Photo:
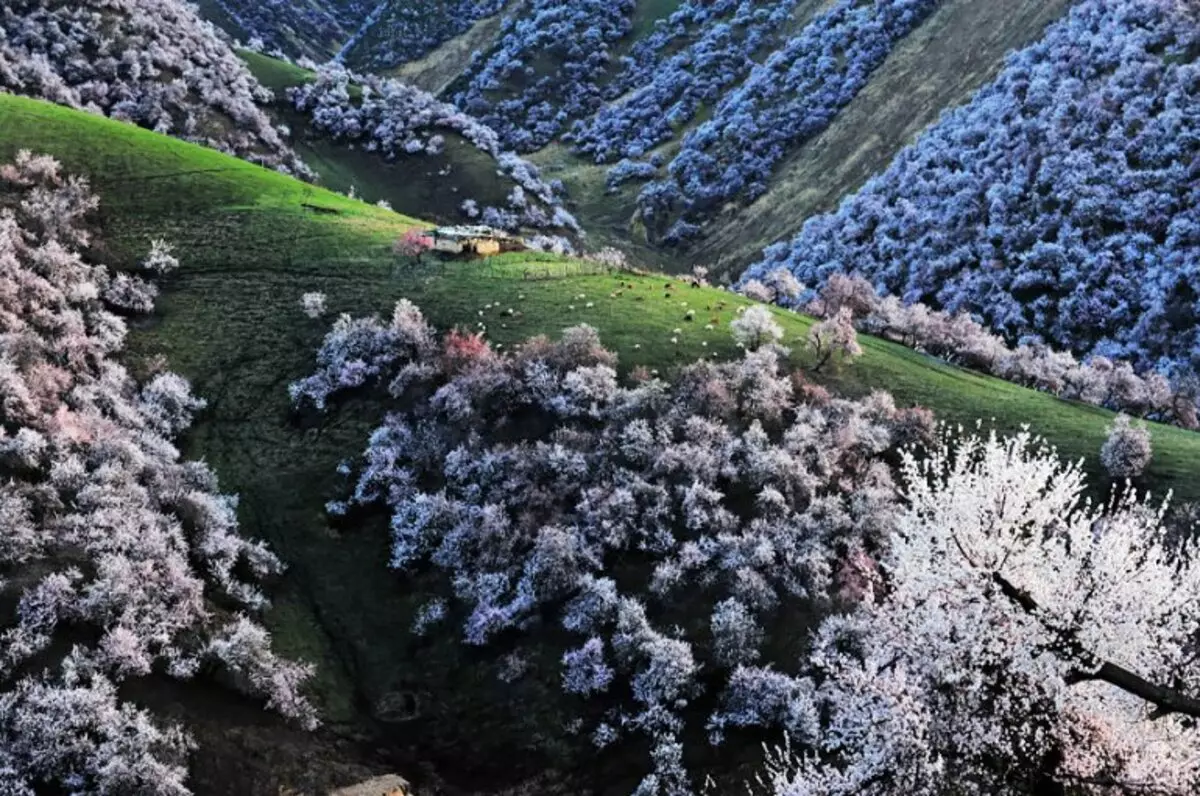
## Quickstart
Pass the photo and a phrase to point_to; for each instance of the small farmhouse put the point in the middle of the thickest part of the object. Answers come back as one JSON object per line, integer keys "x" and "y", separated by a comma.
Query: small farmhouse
{"x": 479, "y": 240}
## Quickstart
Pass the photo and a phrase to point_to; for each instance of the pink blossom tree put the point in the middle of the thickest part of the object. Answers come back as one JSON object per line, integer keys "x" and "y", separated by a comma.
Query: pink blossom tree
{"x": 834, "y": 340}
{"x": 413, "y": 243}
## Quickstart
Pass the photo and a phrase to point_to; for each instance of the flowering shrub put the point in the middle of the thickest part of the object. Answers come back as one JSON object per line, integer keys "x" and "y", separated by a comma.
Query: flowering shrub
{"x": 151, "y": 62}
{"x": 112, "y": 546}
{"x": 313, "y": 304}
{"x": 412, "y": 243}
{"x": 784, "y": 101}
{"x": 1057, "y": 205}
{"x": 536, "y": 482}
{"x": 1126, "y": 453}
{"x": 755, "y": 328}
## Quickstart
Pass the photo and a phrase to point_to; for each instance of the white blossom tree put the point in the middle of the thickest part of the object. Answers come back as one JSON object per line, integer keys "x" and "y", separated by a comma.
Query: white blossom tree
{"x": 1126, "y": 452}
{"x": 1025, "y": 640}
{"x": 755, "y": 328}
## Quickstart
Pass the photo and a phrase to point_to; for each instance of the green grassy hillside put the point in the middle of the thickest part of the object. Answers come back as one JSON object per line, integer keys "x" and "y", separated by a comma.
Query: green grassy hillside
{"x": 432, "y": 185}
{"x": 251, "y": 242}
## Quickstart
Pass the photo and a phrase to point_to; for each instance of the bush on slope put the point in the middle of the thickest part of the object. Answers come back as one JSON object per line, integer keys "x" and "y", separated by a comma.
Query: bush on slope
{"x": 784, "y": 101}
{"x": 122, "y": 559}
{"x": 1058, "y": 205}
{"x": 151, "y": 62}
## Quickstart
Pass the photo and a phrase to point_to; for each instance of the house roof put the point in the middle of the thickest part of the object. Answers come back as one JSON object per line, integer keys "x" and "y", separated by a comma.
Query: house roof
{"x": 471, "y": 233}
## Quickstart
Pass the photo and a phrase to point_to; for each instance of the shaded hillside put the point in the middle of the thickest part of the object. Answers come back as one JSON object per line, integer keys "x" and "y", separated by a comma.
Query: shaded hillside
{"x": 315, "y": 29}
{"x": 401, "y": 31}
{"x": 437, "y": 70}
{"x": 938, "y": 65}
{"x": 667, "y": 88}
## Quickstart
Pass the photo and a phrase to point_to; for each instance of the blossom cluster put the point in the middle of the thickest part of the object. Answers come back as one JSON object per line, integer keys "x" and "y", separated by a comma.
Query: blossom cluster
{"x": 1058, "y": 205}
{"x": 546, "y": 491}
{"x": 151, "y": 62}
{"x": 1025, "y": 640}
{"x": 960, "y": 339}
{"x": 114, "y": 548}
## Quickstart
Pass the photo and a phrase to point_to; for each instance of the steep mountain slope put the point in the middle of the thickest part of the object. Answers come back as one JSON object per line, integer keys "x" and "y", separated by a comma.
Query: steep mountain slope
{"x": 251, "y": 242}
{"x": 369, "y": 35}
{"x": 721, "y": 125}
{"x": 314, "y": 29}
{"x": 939, "y": 66}
{"x": 401, "y": 31}
{"x": 671, "y": 99}
{"x": 1059, "y": 204}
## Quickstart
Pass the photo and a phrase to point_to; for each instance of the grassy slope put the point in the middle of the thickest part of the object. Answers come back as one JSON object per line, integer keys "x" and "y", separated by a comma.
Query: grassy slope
{"x": 229, "y": 320}
{"x": 433, "y": 186}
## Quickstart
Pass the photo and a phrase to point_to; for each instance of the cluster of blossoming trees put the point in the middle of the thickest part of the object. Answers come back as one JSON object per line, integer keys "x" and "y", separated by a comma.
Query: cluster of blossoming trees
{"x": 151, "y": 62}
{"x": 1019, "y": 642}
{"x": 1059, "y": 204}
{"x": 395, "y": 119}
{"x": 119, "y": 558}
{"x": 959, "y": 339}
{"x": 543, "y": 79}
{"x": 689, "y": 60}
{"x": 545, "y": 70}
{"x": 669, "y": 540}
{"x": 785, "y": 100}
